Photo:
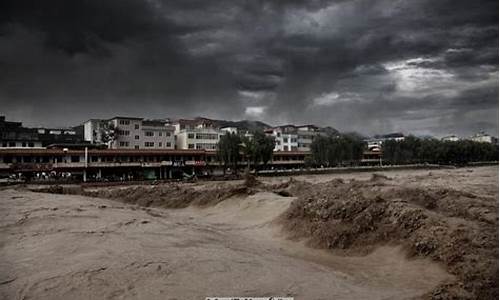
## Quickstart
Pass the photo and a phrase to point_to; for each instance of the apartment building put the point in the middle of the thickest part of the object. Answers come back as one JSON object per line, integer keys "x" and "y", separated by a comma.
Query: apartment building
{"x": 305, "y": 136}
{"x": 285, "y": 137}
{"x": 375, "y": 143}
{"x": 68, "y": 136}
{"x": 130, "y": 133}
{"x": 94, "y": 131}
{"x": 14, "y": 135}
{"x": 293, "y": 138}
{"x": 197, "y": 135}
{"x": 483, "y": 137}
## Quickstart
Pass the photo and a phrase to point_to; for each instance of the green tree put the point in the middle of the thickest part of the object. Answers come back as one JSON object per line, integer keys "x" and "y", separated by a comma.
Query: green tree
{"x": 337, "y": 150}
{"x": 257, "y": 149}
{"x": 430, "y": 150}
{"x": 264, "y": 146}
{"x": 228, "y": 151}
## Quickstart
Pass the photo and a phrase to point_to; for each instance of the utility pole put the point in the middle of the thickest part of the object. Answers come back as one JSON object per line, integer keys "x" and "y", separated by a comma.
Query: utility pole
{"x": 85, "y": 165}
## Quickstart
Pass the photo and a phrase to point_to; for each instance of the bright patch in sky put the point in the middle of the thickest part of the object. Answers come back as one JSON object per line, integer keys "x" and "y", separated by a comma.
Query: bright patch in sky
{"x": 413, "y": 76}
{"x": 254, "y": 111}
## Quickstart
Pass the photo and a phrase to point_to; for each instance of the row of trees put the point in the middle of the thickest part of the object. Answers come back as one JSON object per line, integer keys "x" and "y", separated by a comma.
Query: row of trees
{"x": 233, "y": 148}
{"x": 429, "y": 150}
{"x": 330, "y": 151}
{"x": 347, "y": 149}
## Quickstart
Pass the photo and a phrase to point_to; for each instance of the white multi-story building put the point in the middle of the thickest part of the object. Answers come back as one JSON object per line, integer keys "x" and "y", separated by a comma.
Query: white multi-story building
{"x": 130, "y": 133}
{"x": 93, "y": 130}
{"x": 450, "y": 138}
{"x": 285, "y": 138}
{"x": 195, "y": 134}
{"x": 483, "y": 138}
{"x": 375, "y": 143}
{"x": 305, "y": 136}
{"x": 293, "y": 138}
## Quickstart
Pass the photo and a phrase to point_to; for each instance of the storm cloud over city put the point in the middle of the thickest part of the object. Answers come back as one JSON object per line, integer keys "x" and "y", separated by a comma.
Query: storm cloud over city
{"x": 423, "y": 67}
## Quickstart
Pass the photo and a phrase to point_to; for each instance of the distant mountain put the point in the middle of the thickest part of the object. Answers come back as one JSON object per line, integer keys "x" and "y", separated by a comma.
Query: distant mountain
{"x": 330, "y": 131}
{"x": 241, "y": 125}
{"x": 246, "y": 125}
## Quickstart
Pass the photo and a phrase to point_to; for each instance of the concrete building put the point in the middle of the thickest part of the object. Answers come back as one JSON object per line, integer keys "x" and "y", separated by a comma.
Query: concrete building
{"x": 398, "y": 137}
{"x": 285, "y": 137}
{"x": 14, "y": 135}
{"x": 50, "y": 136}
{"x": 198, "y": 134}
{"x": 293, "y": 138}
{"x": 450, "y": 138}
{"x": 130, "y": 133}
{"x": 198, "y": 137}
{"x": 305, "y": 136}
{"x": 232, "y": 130}
{"x": 375, "y": 143}
{"x": 94, "y": 131}
{"x": 483, "y": 137}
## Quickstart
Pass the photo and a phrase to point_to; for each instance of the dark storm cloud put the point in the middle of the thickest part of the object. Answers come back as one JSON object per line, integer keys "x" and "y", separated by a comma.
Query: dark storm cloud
{"x": 429, "y": 67}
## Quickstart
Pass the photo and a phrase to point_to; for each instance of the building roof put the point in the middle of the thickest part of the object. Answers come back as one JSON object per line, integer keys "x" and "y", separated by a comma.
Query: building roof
{"x": 76, "y": 146}
{"x": 156, "y": 123}
{"x": 60, "y": 151}
{"x": 129, "y": 118}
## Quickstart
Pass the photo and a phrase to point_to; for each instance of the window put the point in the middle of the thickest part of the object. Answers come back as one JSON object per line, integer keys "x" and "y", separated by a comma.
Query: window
{"x": 149, "y": 144}
{"x": 191, "y": 146}
{"x": 31, "y": 144}
{"x": 24, "y": 144}
{"x": 293, "y": 140}
{"x": 4, "y": 144}
{"x": 123, "y": 132}
{"x": 136, "y": 137}
{"x": 75, "y": 158}
{"x": 94, "y": 158}
{"x": 206, "y": 136}
{"x": 136, "y": 126}
{"x": 160, "y": 133}
{"x": 124, "y": 144}
{"x": 167, "y": 134}
{"x": 191, "y": 136}
{"x": 124, "y": 122}
{"x": 285, "y": 140}
{"x": 136, "y": 146}
{"x": 159, "y": 144}
{"x": 150, "y": 133}
{"x": 12, "y": 144}
{"x": 169, "y": 144}
{"x": 206, "y": 146}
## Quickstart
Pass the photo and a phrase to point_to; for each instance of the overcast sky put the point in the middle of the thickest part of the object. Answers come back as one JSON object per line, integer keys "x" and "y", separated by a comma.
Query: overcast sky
{"x": 421, "y": 66}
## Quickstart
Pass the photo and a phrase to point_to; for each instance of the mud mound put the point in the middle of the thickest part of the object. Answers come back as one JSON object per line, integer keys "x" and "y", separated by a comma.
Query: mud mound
{"x": 379, "y": 177}
{"x": 250, "y": 180}
{"x": 59, "y": 189}
{"x": 172, "y": 195}
{"x": 456, "y": 228}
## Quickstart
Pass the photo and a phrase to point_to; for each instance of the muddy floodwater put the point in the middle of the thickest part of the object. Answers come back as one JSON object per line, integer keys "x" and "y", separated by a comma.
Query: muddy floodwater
{"x": 62, "y": 246}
